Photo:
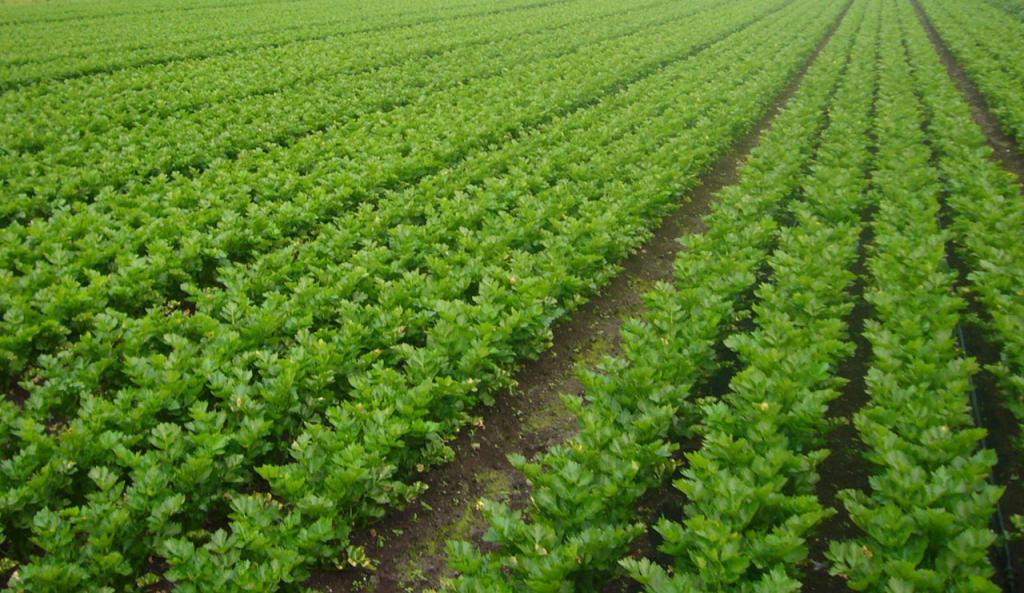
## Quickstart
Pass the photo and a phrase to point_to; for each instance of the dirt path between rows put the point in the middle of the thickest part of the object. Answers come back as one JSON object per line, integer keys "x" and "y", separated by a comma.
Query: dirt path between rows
{"x": 989, "y": 409}
{"x": 408, "y": 545}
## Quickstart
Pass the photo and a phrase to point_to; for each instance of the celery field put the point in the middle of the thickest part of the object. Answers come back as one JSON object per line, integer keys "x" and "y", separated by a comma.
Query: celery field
{"x": 509, "y": 296}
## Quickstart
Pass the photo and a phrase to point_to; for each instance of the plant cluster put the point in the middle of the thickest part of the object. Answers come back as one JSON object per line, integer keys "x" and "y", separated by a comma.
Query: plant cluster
{"x": 231, "y": 440}
{"x": 925, "y": 518}
{"x": 751, "y": 502}
{"x": 108, "y": 38}
{"x": 986, "y": 217}
{"x": 988, "y": 41}
{"x": 346, "y": 102}
{"x": 582, "y": 516}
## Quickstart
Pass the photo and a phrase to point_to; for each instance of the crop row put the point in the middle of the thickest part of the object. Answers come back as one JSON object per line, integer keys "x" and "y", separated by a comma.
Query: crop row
{"x": 750, "y": 498}
{"x": 750, "y": 501}
{"x": 357, "y": 236}
{"x": 41, "y": 52}
{"x": 285, "y": 209}
{"x": 986, "y": 214}
{"x": 123, "y": 159}
{"x": 40, "y": 117}
{"x": 582, "y": 513}
{"x": 1013, "y": 7}
{"x": 925, "y": 516}
{"x": 452, "y": 310}
{"x": 989, "y": 44}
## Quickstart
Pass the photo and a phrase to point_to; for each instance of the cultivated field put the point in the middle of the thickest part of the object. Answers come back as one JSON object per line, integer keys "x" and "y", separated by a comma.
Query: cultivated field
{"x": 501, "y": 296}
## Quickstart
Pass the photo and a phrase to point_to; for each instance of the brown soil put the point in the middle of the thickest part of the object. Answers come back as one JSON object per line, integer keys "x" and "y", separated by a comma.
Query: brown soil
{"x": 532, "y": 418}
{"x": 845, "y": 467}
{"x": 17, "y": 394}
{"x": 1006, "y": 150}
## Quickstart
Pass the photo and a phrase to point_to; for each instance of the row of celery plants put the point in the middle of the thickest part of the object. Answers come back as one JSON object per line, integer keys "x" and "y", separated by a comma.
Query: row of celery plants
{"x": 398, "y": 411}
{"x": 87, "y": 163}
{"x": 42, "y": 53}
{"x": 925, "y": 517}
{"x": 987, "y": 216}
{"x": 57, "y": 162}
{"x": 990, "y": 46}
{"x": 750, "y": 503}
{"x": 582, "y": 517}
{"x": 132, "y": 253}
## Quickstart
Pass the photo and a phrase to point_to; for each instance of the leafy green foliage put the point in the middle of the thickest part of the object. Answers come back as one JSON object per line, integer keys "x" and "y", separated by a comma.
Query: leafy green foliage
{"x": 582, "y": 515}
{"x": 750, "y": 489}
{"x": 238, "y": 135}
{"x": 925, "y": 520}
{"x": 221, "y": 387}
{"x": 987, "y": 213}
{"x": 989, "y": 44}
{"x": 253, "y": 283}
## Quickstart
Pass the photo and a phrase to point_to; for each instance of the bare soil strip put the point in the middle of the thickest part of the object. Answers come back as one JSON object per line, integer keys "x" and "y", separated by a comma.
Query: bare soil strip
{"x": 408, "y": 545}
{"x": 1005, "y": 148}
